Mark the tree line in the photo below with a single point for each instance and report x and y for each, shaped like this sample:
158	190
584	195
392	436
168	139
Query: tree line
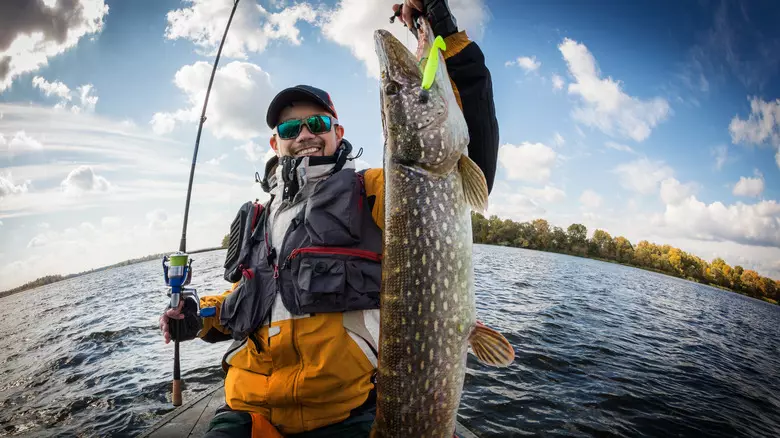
538	234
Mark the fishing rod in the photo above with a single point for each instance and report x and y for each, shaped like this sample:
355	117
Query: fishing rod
178	271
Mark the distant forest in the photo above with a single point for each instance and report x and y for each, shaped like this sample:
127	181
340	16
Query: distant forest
55	278
666	259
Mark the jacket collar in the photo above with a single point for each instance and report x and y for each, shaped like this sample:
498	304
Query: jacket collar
306	175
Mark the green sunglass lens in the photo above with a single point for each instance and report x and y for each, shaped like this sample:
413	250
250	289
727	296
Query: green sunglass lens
318	124
289	129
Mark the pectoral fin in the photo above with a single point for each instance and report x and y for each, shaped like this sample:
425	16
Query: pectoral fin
474	185
491	347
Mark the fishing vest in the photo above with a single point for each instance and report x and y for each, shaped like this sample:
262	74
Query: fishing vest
329	259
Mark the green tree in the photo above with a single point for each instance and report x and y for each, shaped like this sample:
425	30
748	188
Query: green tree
601	245
578	238
559	241
542	235
226	241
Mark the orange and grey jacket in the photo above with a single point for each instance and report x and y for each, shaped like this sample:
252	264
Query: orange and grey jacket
303	311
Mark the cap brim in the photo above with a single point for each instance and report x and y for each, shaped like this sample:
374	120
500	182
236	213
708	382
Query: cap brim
287	97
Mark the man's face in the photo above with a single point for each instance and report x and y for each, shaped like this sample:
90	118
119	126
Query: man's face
306	143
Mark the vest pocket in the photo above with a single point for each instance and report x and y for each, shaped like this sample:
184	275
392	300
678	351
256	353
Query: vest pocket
331	279
364	279
321	283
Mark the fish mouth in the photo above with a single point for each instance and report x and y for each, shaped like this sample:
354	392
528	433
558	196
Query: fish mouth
395	60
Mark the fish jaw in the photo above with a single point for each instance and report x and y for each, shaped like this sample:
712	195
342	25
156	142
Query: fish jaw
427	133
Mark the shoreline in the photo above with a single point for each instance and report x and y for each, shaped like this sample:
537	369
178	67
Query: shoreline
51	279
657	271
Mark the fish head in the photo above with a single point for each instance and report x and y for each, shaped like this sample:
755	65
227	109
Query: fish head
425	129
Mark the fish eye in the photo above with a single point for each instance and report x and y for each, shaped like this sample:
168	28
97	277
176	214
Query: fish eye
392	87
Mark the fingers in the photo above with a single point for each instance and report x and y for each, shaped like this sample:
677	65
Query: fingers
167	316
406	13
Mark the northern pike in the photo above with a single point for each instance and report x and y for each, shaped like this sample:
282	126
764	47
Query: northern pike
428	315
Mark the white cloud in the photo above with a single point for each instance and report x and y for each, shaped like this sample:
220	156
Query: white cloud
557	82
761	127
82	180
591	199
37	241
618	147
506	202
87	98
33	33
216	160
721	155
528	64
750	187
352	24
84	95
22	142
55	88
164	123
528	162
254	152
603	103
8	187
239	89
751	224
157	219
252	29
643	176
558	139
673	192
548	194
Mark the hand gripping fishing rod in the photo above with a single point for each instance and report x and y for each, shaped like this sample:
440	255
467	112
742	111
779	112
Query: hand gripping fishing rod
178	272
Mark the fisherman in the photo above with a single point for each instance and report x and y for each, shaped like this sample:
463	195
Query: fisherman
303	310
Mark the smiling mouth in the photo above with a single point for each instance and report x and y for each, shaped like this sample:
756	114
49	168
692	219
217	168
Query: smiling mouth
307	151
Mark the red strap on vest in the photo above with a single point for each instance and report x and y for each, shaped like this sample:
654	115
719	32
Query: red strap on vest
258	209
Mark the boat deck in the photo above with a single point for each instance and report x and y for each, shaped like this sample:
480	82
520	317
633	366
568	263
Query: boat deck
192	419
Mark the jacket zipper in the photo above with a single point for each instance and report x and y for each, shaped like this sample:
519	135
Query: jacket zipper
362	253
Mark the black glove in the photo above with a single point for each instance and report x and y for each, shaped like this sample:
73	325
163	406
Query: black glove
441	18
187	328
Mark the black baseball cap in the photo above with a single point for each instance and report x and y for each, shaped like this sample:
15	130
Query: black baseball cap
297	93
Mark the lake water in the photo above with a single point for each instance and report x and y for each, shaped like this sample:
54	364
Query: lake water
602	350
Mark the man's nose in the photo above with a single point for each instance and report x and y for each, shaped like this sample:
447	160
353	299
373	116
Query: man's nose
305	134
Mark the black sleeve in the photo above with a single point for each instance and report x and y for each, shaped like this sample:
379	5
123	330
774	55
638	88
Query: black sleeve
471	76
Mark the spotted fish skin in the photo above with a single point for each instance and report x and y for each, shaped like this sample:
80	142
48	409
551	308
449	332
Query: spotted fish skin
427	299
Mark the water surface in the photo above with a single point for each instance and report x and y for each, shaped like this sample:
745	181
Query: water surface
602	350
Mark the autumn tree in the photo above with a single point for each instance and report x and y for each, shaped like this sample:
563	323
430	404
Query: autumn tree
624	251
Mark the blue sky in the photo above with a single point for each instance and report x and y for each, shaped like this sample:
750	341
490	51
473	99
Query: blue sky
656	121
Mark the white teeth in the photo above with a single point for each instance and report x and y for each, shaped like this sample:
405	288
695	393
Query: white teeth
307	151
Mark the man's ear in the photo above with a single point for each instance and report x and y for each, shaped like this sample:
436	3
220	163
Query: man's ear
272	142
339	133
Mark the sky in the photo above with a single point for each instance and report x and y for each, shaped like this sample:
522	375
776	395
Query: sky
652	120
